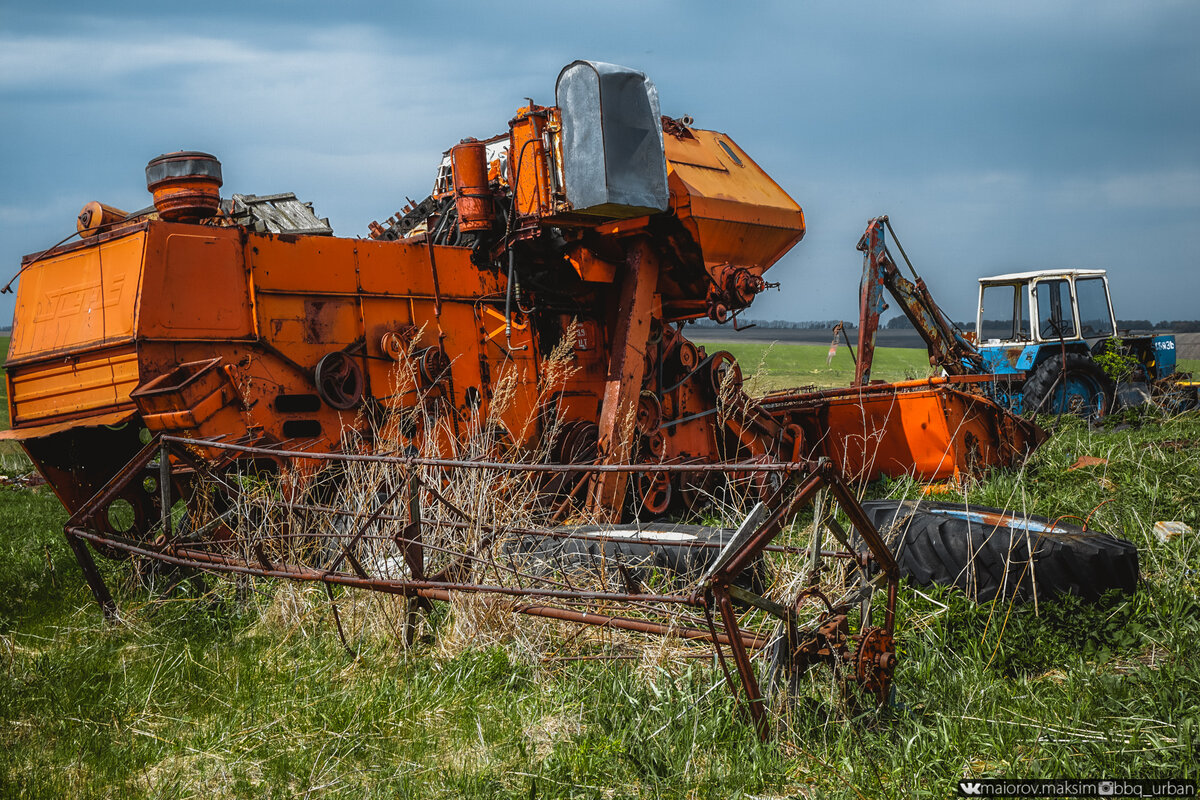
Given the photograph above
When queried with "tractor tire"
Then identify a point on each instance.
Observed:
(678, 553)
(988, 552)
(1069, 384)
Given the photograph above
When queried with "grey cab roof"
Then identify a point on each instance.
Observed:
(1013, 277)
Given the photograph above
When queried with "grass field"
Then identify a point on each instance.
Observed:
(212, 696)
(768, 367)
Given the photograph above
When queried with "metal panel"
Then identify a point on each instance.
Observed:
(83, 298)
(194, 284)
(613, 160)
(109, 419)
(742, 216)
(84, 383)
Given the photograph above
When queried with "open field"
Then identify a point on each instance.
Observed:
(225, 696)
(769, 366)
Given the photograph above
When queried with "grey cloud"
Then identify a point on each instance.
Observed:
(997, 136)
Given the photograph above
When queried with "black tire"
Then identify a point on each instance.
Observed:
(680, 552)
(986, 552)
(1071, 383)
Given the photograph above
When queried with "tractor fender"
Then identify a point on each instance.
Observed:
(1037, 354)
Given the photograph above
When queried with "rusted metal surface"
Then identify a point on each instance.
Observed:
(276, 213)
(948, 349)
(626, 372)
(871, 302)
(401, 545)
(73, 422)
(185, 185)
(472, 196)
(925, 428)
(95, 217)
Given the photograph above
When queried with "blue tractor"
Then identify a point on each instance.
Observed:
(1049, 327)
(1040, 337)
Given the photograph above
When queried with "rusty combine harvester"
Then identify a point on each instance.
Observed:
(201, 338)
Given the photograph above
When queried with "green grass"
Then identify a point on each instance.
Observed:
(12, 457)
(768, 367)
(205, 696)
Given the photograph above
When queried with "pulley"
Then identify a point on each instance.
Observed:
(339, 380)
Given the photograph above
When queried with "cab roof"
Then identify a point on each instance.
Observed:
(1012, 277)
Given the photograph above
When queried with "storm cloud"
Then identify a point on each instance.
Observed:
(997, 137)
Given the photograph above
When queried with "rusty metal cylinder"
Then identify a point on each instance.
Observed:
(472, 196)
(186, 185)
(95, 217)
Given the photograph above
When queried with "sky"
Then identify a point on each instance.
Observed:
(997, 136)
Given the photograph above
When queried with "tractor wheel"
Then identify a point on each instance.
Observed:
(1070, 384)
(990, 553)
(636, 553)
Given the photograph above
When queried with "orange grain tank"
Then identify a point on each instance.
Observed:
(596, 224)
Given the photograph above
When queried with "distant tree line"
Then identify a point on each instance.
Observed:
(785, 324)
(1176, 326)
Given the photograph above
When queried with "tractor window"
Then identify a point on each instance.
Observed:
(1094, 317)
(1002, 313)
(1055, 319)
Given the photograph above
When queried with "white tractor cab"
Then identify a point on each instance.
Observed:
(1048, 325)
(1045, 306)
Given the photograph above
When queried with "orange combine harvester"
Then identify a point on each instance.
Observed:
(537, 300)
(597, 225)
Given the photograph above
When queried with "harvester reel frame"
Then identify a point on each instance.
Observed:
(701, 610)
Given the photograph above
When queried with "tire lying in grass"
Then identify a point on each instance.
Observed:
(635, 557)
(990, 553)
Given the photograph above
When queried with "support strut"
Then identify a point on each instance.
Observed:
(626, 370)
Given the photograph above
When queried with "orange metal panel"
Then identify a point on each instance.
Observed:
(51, 428)
(309, 263)
(194, 284)
(186, 397)
(83, 298)
(405, 269)
(87, 382)
(921, 428)
(741, 215)
(892, 434)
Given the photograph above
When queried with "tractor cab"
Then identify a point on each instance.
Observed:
(1044, 306)
(1042, 328)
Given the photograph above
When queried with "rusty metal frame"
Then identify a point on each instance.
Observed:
(646, 612)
